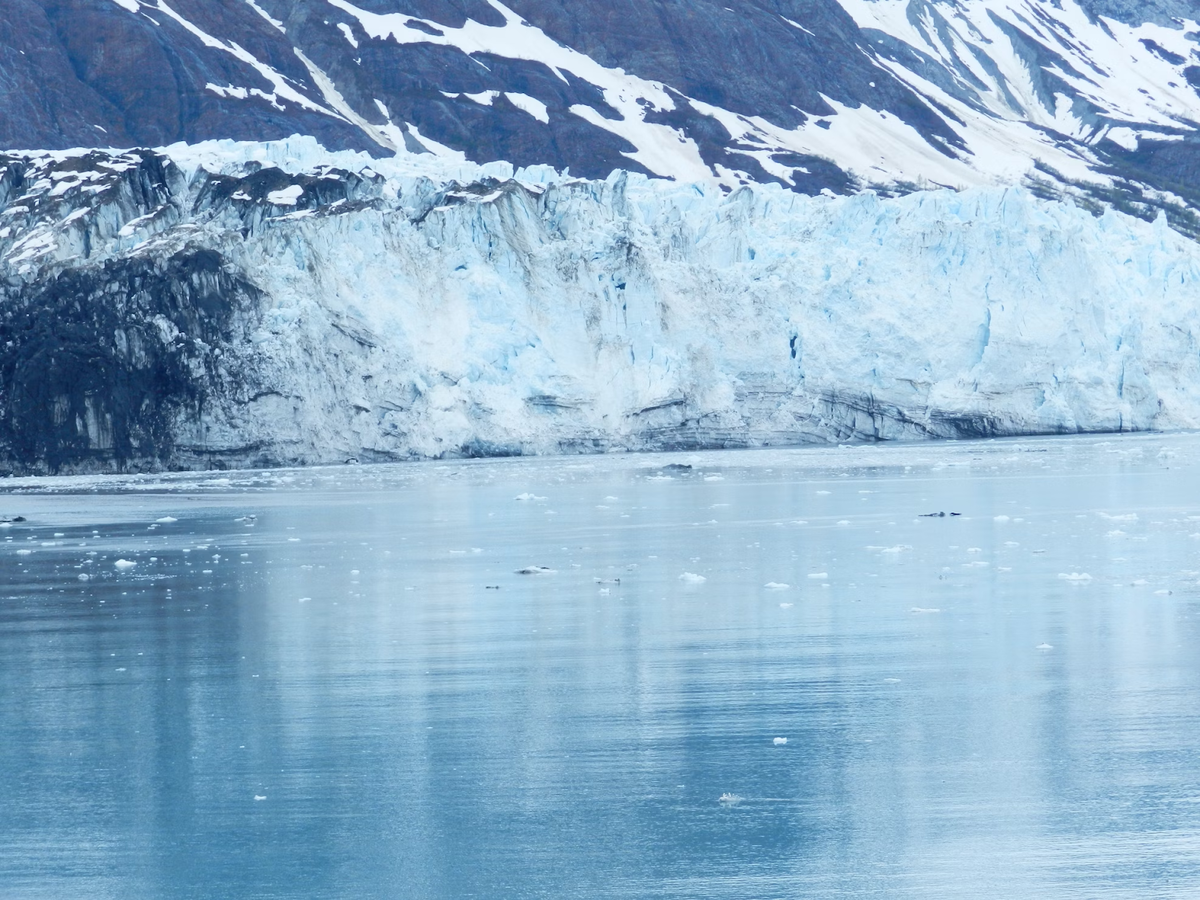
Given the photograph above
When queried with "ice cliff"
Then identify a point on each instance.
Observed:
(232, 304)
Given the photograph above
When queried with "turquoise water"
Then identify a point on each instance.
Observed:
(354, 694)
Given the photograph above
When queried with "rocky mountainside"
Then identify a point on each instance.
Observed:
(233, 305)
(1097, 100)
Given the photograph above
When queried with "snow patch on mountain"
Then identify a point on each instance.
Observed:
(922, 93)
(1106, 64)
(282, 89)
(660, 148)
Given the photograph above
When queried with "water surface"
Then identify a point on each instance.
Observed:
(334, 683)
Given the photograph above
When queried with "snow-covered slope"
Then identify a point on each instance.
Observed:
(1093, 98)
(311, 307)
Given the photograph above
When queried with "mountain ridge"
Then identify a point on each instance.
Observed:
(1097, 101)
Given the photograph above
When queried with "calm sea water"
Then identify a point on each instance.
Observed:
(355, 694)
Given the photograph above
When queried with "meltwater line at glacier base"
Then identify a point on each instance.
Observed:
(260, 304)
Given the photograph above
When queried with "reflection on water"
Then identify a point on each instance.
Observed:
(353, 694)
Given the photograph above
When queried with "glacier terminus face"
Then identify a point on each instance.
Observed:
(249, 304)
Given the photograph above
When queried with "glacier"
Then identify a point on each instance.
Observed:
(419, 307)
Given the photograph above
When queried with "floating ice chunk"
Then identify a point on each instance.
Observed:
(843, 521)
(1127, 517)
(999, 518)
(779, 742)
(692, 578)
(785, 605)
(293, 540)
(304, 599)
(728, 797)
(714, 477)
(1012, 543)
(528, 497)
(974, 549)
(822, 493)
(1044, 647)
(1075, 576)
(260, 797)
(124, 564)
(891, 681)
(84, 577)
(776, 586)
(536, 570)
(24, 552)
(816, 575)
(924, 609)
(1164, 593)
(899, 548)
(166, 520)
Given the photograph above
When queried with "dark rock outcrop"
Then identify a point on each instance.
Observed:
(100, 364)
